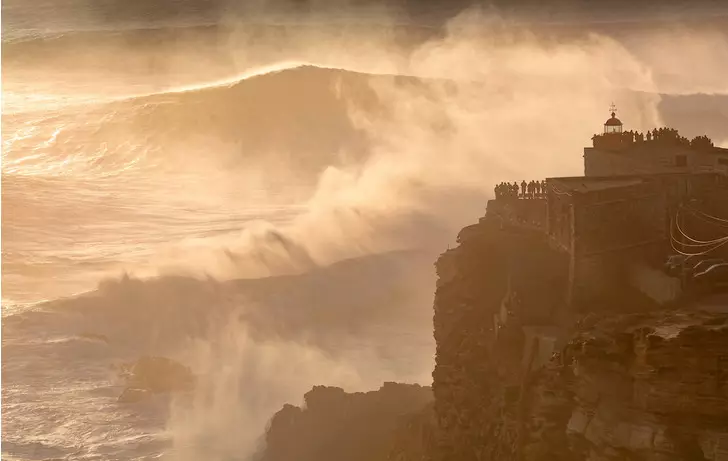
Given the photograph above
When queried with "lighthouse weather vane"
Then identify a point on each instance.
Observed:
(613, 109)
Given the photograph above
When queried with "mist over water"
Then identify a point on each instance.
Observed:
(264, 201)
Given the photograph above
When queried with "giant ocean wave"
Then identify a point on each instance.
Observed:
(298, 114)
(271, 228)
(268, 299)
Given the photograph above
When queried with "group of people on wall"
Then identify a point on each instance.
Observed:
(527, 190)
(660, 135)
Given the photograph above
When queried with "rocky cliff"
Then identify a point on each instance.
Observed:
(496, 281)
(335, 425)
(640, 387)
(522, 375)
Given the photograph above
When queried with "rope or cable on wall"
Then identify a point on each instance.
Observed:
(720, 222)
(714, 244)
(558, 192)
(695, 241)
(672, 244)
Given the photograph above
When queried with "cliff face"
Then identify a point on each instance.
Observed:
(494, 282)
(644, 387)
(335, 425)
(520, 376)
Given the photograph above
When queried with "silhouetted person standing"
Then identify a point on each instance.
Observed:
(523, 188)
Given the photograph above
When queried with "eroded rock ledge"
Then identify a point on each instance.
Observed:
(645, 386)
(335, 425)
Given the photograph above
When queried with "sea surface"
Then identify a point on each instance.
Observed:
(262, 198)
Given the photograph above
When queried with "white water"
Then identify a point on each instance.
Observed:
(193, 163)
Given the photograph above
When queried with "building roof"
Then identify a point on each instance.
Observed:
(614, 121)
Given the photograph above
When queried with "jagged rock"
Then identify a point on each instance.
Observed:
(645, 386)
(335, 425)
(154, 375)
(664, 377)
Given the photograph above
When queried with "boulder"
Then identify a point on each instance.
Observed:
(337, 425)
(155, 375)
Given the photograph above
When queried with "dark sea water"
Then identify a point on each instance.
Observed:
(262, 197)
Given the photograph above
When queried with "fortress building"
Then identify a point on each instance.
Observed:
(618, 223)
(662, 150)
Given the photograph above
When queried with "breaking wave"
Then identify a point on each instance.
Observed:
(293, 116)
(255, 344)
(274, 229)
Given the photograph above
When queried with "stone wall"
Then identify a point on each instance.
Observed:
(560, 217)
(603, 284)
(531, 213)
(654, 283)
(646, 160)
(619, 218)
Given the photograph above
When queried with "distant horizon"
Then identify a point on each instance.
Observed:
(118, 13)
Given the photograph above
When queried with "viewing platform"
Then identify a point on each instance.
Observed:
(661, 150)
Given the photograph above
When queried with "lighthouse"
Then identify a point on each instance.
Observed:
(613, 124)
(617, 152)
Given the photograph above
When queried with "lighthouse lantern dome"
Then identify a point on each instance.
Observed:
(613, 124)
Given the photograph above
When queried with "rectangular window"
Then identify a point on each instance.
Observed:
(681, 160)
